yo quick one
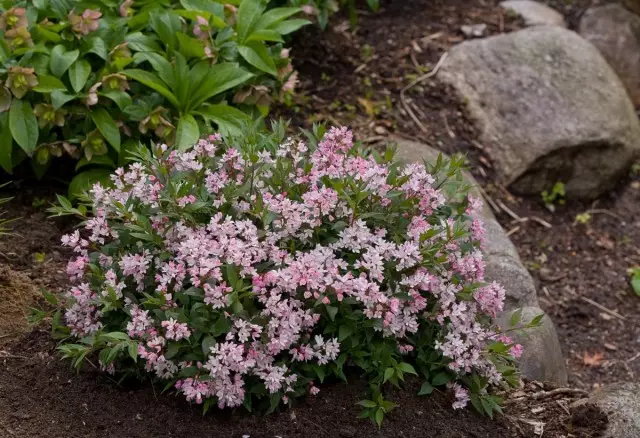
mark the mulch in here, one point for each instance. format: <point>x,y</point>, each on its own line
<point>355,77</point>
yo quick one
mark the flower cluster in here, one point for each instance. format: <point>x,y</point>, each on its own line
<point>254,272</point>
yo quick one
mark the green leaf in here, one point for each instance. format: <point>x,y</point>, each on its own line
<point>332,311</point>
<point>61,60</point>
<point>249,13</point>
<point>96,160</point>
<point>536,320</point>
<point>207,344</point>
<point>142,43</point>
<point>265,35</point>
<point>388,373</point>
<point>133,350</point>
<point>187,133</point>
<point>258,56</point>
<point>344,332</point>
<point>23,125</point>
<point>166,24</point>
<point>290,26</point>
<point>107,127</point>
<point>440,379</point>
<point>635,284</point>
<point>274,16</point>
<point>85,180</point>
<point>59,98</point>
<point>374,5</point>
<point>203,5</point>
<point>379,417</point>
<point>6,143</point>
<point>121,98</point>
<point>230,120</point>
<point>206,82</point>
<point>153,82</point>
<point>78,74</point>
<point>515,317</point>
<point>190,47</point>
<point>367,403</point>
<point>407,368</point>
<point>97,45</point>
<point>47,84</point>
<point>46,34</point>
<point>426,389</point>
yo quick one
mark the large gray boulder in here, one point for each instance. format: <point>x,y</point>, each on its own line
<point>621,403</point>
<point>616,33</point>
<point>549,109</point>
<point>535,13</point>
<point>542,358</point>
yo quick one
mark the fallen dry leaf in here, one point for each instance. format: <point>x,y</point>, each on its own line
<point>593,360</point>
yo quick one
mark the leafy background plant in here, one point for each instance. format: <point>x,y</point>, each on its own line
<point>91,79</point>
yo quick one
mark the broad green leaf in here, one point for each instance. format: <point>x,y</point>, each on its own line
<point>374,5</point>
<point>230,120</point>
<point>367,403</point>
<point>258,56</point>
<point>5,50</point>
<point>96,160</point>
<point>85,180</point>
<point>206,82</point>
<point>275,16</point>
<point>289,26</point>
<point>97,45</point>
<point>59,98</point>
<point>265,35</point>
<point>107,127</point>
<point>344,332</point>
<point>23,125</point>
<point>6,143</point>
<point>515,317</point>
<point>389,373</point>
<point>47,84</point>
<point>142,43</point>
<point>407,368</point>
<point>203,5</point>
<point>159,64</point>
<point>78,74</point>
<point>121,98</point>
<point>166,24</point>
<point>153,82</point>
<point>61,60</point>
<point>190,47</point>
<point>249,13</point>
<point>46,34</point>
<point>187,133</point>
<point>332,311</point>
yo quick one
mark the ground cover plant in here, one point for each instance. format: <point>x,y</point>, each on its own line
<point>249,271</point>
<point>92,78</point>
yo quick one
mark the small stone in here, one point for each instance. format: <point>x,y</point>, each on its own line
<point>534,13</point>
<point>380,130</point>
<point>139,417</point>
<point>474,30</point>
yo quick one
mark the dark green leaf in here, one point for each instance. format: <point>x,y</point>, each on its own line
<point>107,127</point>
<point>440,379</point>
<point>332,311</point>
<point>206,82</point>
<point>204,5</point>
<point>166,24</point>
<point>265,35</point>
<point>23,125</point>
<point>97,160</point>
<point>142,43</point>
<point>407,368</point>
<point>635,283</point>
<point>190,47</point>
<point>275,16</point>
<point>61,60</point>
<point>344,332</point>
<point>207,344</point>
<point>121,98</point>
<point>97,45</point>
<point>187,133</point>
<point>367,403</point>
<point>159,64</point>
<point>153,82</point>
<point>258,56</point>
<point>426,389</point>
<point>78,74</point>
<point>85,180</point>
<point>59,98</point>
<point>389,373</point>
<point>515,317</point>
<point>6,143</point>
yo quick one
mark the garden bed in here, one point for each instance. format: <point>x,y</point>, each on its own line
<point>360,77</point>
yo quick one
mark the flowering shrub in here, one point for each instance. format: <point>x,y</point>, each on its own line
<point>91,78</point>
<point>251,270</point>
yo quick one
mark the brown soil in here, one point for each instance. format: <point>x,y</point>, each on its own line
<point>355,79</point>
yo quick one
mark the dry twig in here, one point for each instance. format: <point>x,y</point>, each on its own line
<point>415,82</point>
<point>604,309</point>
<point>546,394</point>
